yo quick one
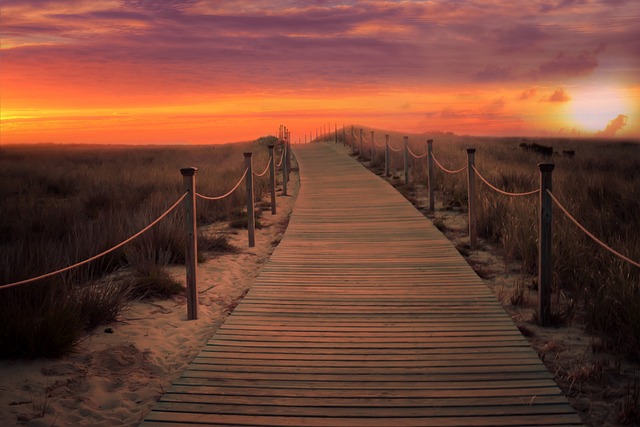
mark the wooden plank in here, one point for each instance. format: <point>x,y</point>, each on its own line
<point>365,315</point>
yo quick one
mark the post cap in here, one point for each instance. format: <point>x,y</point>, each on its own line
<point>190,171</point>
<point>546,167</point>
<point>248,154</point>
<point>429,141</point>
<point>471,150</point>
<point>270,146</point>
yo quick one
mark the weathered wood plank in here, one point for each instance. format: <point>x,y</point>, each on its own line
<point>365,315</point>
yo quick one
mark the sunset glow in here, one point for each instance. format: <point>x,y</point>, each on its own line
<point>198,71</point>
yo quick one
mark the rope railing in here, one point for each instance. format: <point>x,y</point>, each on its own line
<point>505,193</point>
<point>265,169</point>
<point>588,233</point>
<point>379,145</point>
<point>101,254</point>
<point>280,161</point>
<point>228,193</point>
<point>394,149</point>
<point>445,169</point>
<point>414,155</point>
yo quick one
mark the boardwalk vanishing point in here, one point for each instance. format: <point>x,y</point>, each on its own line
<point>365,315</point>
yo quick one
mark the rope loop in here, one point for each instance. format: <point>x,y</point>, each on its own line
<point>394,150</point>
<point>265,169</point>
<point>229,192</point>
<point>588,233</point>
<point>281,157</point>
<point>101,254</point>
<point>445,169</point>
<point>414,155</point>
<point>505,193</point>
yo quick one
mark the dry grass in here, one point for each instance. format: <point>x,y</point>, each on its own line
<point>63,204</point>
<point>600,185</point>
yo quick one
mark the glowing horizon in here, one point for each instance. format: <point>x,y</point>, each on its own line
<point>195,71</point>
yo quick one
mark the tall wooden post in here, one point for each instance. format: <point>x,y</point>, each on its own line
<point>288,142</point>
<point>432,202</point>
<point>344,137</point>
<point>360,155</point>
<point>406,160</point>
<point>336,129</point>
<point>545,275</point>
<point>387,169</point>
<point>191,253</point>
<point>272,178</point>
<point>373,149</point>
<point>353,141</point>
<point>251,216</point>
<point>471,175</point>
<point>283,168</point>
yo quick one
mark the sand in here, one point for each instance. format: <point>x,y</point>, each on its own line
<point>120,370</point>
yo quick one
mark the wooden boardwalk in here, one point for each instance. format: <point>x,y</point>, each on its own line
<point>365,316</point>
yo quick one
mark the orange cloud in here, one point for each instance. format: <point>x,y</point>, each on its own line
<point>559,96</point>
<point>614,126</point>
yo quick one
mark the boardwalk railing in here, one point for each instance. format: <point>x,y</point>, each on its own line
<point>188,199</point>
<point>546,199</point>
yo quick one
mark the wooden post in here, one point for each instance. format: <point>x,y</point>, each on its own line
<point>471,175</point>
<point>191,254</point>
<point>545,275</point>
<point>288,142</point>
<point>272,178</point>
<point>360,156</point>
<point>373,149</point>
<point>432,202</point>
<point>283,168</point>
<point>344,137</point>
<point>387,168</point>
<point>406,160</point>
<point>336,129</point>
<point>251,216</point>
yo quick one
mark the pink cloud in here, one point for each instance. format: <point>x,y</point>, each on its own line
<point>559,95</point>
<point>529,93</point>
<point>566,65</point>
<point>614,126</point>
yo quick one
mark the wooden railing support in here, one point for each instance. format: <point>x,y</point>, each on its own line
<point>191,253</point>
<point>471,185</point>
<point>360,154</point>
<point>251,216</point>
<point>406,160</point>
<point>283,168</point>
<point>344,137</point>
<point>432,203</point>
<point>373,149</point>
<point>545,275</point>
<point>353,141</point>
<point>272,178</point>
<point>335,127</point>
<point>387,168</point>
<point>288,142</point>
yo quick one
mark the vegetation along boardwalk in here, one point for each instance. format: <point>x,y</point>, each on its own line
<point>365,316</point>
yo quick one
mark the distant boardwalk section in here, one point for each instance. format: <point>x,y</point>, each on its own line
<point>366,315</point>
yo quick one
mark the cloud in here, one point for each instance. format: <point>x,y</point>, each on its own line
<point>528,94</point>
<point>494,73</point>
<point>614,126</point>
<point>518,38</point>
<point>566,65</point>
<point>550,6</point>
<point>559,95</point>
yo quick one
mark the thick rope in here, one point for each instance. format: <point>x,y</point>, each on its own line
<point>265,169</point>
<point>229,192</point>
<point>379,145</point>
<point>95,257</point>
<point>280,161</point>
<point>415,156</point>
<point>445,169</point>
<point>584,230</point>
<point>394,150</point>
<point>506,193</point>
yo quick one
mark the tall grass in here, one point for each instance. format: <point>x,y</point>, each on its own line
<point>62,204</point>
<point>600,185</point>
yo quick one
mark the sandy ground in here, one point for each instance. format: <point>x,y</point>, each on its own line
<point>120,370</point>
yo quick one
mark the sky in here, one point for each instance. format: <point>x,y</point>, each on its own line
<point>209,71</point>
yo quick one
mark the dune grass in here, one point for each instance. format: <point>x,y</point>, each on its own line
<point>63,204</point>
<point>600,185</point>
